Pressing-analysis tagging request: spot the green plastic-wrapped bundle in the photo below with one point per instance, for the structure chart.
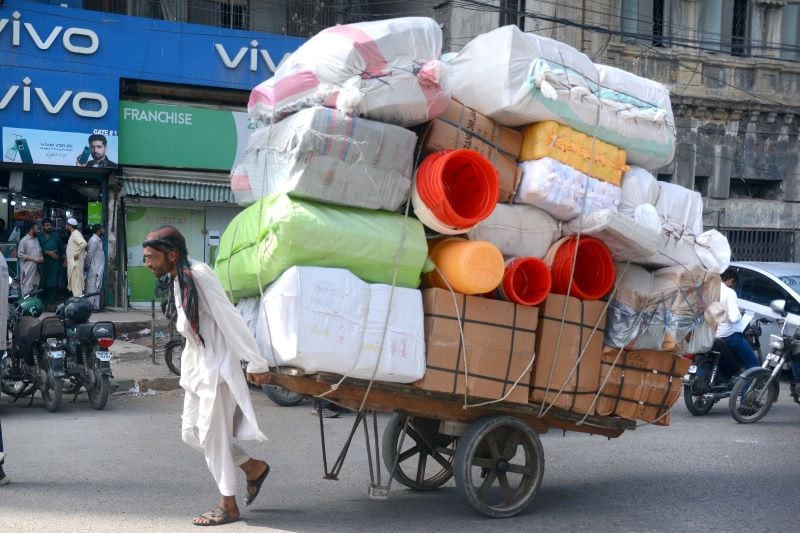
(279, 232)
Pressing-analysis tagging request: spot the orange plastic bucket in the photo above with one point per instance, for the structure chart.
(470, 267)
(526, 281)
(455, 190)
(594, 268)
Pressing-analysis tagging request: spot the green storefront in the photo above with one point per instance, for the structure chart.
(176, 161)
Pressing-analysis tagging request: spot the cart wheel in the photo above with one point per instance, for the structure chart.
(499, 466)
(425, 462)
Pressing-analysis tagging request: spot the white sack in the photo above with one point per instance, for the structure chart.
(325, 155)
(517, 78)
(561, 190)
(327, 320)
(638, 187)
(625, 239)
(518, 230)
(681, 209)
(709, 250)
(387, 70)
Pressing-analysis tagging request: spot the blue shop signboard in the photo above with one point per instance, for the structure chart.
(60, 71)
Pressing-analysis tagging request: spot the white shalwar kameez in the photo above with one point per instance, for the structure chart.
(217, 410)
(96, 260)
(3, 304)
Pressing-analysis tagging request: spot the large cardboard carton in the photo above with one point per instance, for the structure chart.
(463, 127)
(640, 385)
(499, 339)
(573, 362)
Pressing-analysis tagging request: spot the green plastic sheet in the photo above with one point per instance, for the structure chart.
(279, 232)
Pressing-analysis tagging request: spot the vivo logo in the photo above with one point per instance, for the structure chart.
(97, 103)
(75, 40)
(254, 54)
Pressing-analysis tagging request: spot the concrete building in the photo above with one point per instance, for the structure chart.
(733, 69)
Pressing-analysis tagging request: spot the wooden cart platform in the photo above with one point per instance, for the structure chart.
(493, 451)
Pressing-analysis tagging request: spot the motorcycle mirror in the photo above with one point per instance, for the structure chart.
(778, 306)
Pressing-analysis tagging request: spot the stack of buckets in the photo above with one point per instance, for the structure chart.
(454, 191)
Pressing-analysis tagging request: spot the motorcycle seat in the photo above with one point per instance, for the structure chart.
(25, 333)
(84, 332)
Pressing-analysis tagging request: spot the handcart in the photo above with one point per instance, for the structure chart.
(493, 450)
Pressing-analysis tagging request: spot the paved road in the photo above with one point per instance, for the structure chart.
(125, 469)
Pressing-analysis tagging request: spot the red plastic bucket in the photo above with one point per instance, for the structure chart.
(526, 281)
(457, 188)
(594, 274)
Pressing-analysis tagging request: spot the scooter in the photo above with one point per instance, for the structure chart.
(753, 395)
(88, 358)
(706, 383)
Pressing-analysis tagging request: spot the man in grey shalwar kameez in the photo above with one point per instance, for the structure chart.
(29, 254)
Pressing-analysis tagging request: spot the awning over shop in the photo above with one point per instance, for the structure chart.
(196, 186)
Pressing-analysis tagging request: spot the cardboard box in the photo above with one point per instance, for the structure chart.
(642, 385)
(463, 127)
(555, 365)
(499, 339)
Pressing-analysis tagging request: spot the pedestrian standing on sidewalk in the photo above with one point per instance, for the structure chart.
(51, 268)
(29, 253)
(4, 480)
(76, 253)
(217, 410)
(96, 265)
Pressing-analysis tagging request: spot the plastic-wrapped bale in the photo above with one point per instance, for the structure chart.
(327, 320)
(518, 78)
(663, 310)
(710, 250)
(639, 187)
(561, 190)
(518, 230)
(387, 70)
(325, 155)
(279, 232)
(626, 239)
(589, 155)
(681, 209)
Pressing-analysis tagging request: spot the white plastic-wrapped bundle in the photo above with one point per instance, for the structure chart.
(387, 70)
(323, 154)
(709, 250)
(638, 187)
(625, 239)
(681, 209)
(327, 320)
(518, 78)
(561, 190)
(663, 310)
(518, 230)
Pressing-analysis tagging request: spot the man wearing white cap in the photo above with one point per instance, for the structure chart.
(76, 253)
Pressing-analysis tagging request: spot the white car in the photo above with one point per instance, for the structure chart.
(761, 283)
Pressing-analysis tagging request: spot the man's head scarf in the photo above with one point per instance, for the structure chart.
(167, 239)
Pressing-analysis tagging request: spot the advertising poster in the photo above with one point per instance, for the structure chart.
(47, 147)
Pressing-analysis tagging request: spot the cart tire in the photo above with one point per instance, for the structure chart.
(426, 460)
(499, 466)
(281, 396)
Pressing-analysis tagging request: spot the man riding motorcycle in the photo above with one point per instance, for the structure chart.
(729, 330)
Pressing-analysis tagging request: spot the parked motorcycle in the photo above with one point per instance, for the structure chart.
(706, 382)
(36, 358)
(88, 359)
(753, 395)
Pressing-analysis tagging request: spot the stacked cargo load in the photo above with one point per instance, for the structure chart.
(516, 227)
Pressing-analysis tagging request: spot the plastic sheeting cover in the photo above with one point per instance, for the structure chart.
(279, 232)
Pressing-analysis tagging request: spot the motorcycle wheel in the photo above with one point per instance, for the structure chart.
(281, 396)
(51, 392)
(697, 405)
(743, 406)
(172, 356)
(98, 394)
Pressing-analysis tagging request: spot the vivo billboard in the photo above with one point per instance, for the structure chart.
(60, 69)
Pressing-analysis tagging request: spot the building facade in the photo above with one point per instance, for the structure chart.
(163, 100)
